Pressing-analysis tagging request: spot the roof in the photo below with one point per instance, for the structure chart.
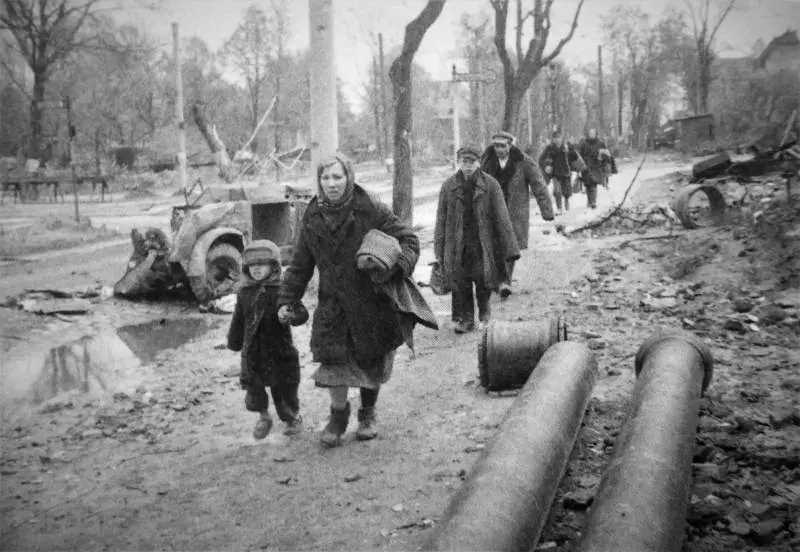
(789, 38)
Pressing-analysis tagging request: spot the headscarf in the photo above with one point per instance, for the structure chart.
(336, 212)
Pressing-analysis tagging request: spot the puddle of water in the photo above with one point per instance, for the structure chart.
(150, 338)
(94, 365)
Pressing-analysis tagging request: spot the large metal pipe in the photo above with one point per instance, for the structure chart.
(504, 502)
(509, 351)
(642, 500)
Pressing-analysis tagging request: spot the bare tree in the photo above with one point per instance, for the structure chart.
(279, 9)
(518, 79)
(704, 28)
(400, 74)
(46, 33)
(250, 51)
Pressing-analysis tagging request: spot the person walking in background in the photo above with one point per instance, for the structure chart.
(355, 331)
(519, 177)
(599, 163)
(556, 163)
(269, 358)
(473, 239)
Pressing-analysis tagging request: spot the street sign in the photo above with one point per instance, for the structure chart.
(488, 76)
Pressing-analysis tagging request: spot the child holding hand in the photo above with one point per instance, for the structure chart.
(269, 357)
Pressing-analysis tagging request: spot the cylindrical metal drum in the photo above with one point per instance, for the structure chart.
(509, 351)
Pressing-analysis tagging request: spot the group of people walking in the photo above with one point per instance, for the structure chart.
(591, 160)
(367, 304)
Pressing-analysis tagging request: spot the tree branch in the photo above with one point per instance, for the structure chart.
(722, 18)
(563, 41)
(500, 16)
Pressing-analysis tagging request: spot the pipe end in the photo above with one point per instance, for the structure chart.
(676, 335)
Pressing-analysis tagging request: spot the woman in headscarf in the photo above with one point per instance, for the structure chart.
(355, 331)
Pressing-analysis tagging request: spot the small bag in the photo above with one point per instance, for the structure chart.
(438, 282)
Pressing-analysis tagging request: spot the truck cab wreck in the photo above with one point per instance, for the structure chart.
(204, 254)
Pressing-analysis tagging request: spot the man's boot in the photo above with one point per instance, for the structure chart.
(366, 424)
(484, 310)
(337, 425)
(463, 327)
(566, 204)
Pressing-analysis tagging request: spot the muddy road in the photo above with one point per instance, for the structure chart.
(125, 428)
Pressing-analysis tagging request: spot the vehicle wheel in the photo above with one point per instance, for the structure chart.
(223, 271)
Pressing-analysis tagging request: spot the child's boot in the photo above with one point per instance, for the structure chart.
(366, 424)
(337, 425)
(294, 426)
(263, 426)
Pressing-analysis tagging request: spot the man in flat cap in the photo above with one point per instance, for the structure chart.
(519, 177)
(473, 239)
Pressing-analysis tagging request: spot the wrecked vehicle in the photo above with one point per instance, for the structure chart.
(204, 254)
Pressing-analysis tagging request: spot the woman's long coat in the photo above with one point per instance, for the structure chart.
(495, 231)
(527, 180)
(351, 319)
(597, 168)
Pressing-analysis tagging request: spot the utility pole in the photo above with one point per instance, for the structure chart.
(379, 123)
(323, 115)
(529, 96)
(456, 123)
(176, 52)
(383, 94)
(71, 135)
(601, 113)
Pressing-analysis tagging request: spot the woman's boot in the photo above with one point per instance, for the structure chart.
(337, 425)
(366, 424)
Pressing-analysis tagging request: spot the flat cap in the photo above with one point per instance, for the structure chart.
(503, 135)
(468, 151)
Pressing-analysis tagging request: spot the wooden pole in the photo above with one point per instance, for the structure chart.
(323, 115)
(71, 135)
(456, 124)
(176, 52)
(601, 108)
(382, 82)
(379, 121)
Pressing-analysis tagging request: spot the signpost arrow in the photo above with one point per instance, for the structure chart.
(488, 76)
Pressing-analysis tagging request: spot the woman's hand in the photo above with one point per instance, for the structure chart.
(384, 276)
(285, 315)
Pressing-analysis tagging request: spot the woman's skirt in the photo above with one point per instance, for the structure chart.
(370, 373)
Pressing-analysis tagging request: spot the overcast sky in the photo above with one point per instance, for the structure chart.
(215, 20)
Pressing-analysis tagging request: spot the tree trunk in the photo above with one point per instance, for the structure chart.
(704, 77)
(513, 103)
(400, 74)
(35, 148)
(214, 142)
(402, 202)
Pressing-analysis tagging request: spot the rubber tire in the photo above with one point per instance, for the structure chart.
(207, 289)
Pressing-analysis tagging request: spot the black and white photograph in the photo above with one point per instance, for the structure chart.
(398, 275)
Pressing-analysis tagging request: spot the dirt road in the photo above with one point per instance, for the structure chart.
(130, 433)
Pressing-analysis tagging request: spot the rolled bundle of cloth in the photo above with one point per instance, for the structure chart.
(379, 253)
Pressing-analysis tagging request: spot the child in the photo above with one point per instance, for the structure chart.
(269, 358)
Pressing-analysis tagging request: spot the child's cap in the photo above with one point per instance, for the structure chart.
(262, 252)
